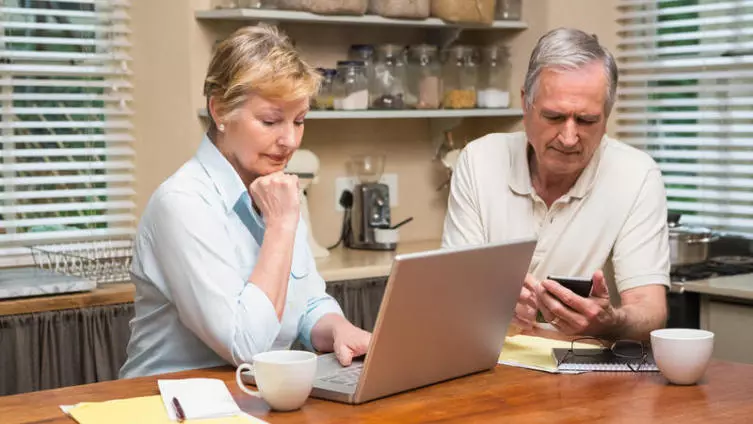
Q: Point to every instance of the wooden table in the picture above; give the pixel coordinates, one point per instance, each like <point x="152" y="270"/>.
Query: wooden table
<point x="504" y="394"/>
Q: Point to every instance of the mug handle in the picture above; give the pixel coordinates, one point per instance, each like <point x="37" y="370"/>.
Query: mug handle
<point x="239" y="380"/>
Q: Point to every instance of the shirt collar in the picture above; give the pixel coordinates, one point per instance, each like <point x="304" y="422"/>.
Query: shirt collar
<point x="520" y="174"/>
<point x="224" y="177"/>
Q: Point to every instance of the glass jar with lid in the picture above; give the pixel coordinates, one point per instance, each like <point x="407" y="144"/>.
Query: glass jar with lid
<point x="325" y="98"/>
<point x="364" y="53"/>
<point x="389" y="78"/>
<point x="424" y="77"/>
<point x="351" y="86"/>
<point x="494" y="78"/>
<point x="460" y="78"/>
<point x="509" y="10"/>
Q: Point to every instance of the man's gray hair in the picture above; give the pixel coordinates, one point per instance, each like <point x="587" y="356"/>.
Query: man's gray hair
<point x="569" y="49"/>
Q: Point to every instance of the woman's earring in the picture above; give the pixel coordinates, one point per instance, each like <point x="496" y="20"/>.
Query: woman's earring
<point x="222" y="128"/>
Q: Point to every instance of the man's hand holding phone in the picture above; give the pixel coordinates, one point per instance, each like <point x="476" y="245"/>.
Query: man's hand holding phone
<point x="564" y="305"/>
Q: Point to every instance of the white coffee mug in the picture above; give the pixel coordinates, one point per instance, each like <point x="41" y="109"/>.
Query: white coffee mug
<point x="682" y="354"/>
<point x="284" y="377"/>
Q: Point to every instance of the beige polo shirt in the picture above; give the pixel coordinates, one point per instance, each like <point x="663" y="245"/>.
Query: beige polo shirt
<point x="614" y="218"/>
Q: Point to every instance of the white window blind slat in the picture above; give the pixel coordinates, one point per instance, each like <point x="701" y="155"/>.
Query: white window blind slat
<point x="695" y="48"/>
<point x="70" y="220"/>
<point x="653" y="38"/>
<point x="65" y="56"/>
<point x="647" y="89"/>
<point x="708" y="181"/>
<point x="66" y="111"/>
<point x="700" y="115"/>
<point x="694" y="142"/>
<point x="103" y="28"/>
<point x="30" y="238"/>
<point x="695" y="102"/>
<point x="686" y="128"/>
<point x="110" y="42"/>
<point x="45" y="153"/>
<point x="75" y="138"/>
<point x="705" y="154"/>
<point x="67" y="207"/>
<point x="729" y="20"/>
<point x="68" y="97"/>
<point x="707" y="194"/>
<point x="20" y="125"/>
<point x="119" y="84"/>
<point x="707" y="168"/>
<point x="69" y="179"/>
<point x="66" y="70"/>
<point x="66" y="166"/>
<point x="117" y="15"/>
<point x="717" y="6"/>
<point x="110" y="192"/>
<point x="729" y="223"/>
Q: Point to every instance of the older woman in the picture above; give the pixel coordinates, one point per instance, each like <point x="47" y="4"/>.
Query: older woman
<point x="222" y="266"/>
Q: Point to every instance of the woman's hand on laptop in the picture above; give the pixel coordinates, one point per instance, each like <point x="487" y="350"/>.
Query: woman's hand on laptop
<point x="335" y="333"/>
<point x="525" y="310"/>
<point x="350" y="342"/>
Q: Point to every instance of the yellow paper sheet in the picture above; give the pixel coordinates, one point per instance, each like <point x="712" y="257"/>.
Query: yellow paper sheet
<point x="142" y="410"/>
<point x="533" y="352"/>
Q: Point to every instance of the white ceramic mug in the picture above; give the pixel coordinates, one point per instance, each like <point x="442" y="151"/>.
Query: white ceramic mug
<point x="284" y="377"/>
<point x="682" y="354"/>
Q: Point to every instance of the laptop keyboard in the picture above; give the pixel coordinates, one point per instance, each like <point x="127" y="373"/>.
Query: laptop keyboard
<point x="347" y="375"/>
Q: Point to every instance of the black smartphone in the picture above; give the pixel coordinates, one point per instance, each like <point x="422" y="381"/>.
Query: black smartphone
<point x="578" y="285"/>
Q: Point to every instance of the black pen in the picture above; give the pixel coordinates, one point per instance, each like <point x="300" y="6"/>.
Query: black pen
<point x="179" y="410"/>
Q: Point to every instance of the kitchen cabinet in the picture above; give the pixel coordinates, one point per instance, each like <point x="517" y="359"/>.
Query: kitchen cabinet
<point x="731" y="321"/>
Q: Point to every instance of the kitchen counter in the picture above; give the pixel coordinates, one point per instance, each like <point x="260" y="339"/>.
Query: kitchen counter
<point x="735" y="286"/>
<point x="342" y="264"/>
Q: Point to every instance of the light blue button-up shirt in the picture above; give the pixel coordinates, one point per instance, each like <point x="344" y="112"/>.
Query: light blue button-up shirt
<point x="198" y="241"/>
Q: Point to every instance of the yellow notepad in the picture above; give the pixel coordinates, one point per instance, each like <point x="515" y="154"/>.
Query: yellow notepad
<point x="533" y="352"/>
<point x="142" y="410"/>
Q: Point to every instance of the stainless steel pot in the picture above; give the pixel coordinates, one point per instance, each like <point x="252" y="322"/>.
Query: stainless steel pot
<point x="687" y="244"/>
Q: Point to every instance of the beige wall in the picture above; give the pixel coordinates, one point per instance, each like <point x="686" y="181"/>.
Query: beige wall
<point x="171" y="50"/>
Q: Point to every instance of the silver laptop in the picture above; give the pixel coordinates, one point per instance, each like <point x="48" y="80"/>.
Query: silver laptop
<point x="444" y="315"/>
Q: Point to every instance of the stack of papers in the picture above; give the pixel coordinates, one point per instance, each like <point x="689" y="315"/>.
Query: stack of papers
<point x="535" y="353"/>
<point x="205" y="401"/>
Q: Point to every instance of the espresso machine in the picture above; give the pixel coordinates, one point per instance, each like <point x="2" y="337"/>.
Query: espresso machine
<point x="370" y="207"/>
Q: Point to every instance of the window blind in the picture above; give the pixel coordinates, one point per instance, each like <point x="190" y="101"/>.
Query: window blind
<point x="66" y="154"/>
<point x="686" y="97"/>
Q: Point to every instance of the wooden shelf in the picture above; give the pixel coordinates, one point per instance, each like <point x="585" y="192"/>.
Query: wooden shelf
<point x="307" y="17"/>
<point x="404" y="114"/>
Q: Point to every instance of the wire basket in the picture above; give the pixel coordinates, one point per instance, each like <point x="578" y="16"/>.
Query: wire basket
<point x="107" y="261"/>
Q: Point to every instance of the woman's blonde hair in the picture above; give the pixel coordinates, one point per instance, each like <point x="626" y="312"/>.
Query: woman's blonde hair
<point x="257" y="60"/>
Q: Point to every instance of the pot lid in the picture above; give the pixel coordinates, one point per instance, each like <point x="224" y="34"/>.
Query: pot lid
<point x="689" y="233"/>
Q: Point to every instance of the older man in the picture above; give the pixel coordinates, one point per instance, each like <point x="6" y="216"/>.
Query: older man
<point x="593" y="202"/>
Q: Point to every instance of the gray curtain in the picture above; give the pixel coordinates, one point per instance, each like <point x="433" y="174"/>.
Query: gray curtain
<point x="359" y="299"/>
<point x="62" y="348"/>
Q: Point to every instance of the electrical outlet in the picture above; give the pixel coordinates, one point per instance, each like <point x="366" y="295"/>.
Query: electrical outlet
<point x="347" y="183"/>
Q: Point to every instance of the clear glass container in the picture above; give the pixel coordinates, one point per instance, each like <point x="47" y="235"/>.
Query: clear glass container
<point x="257" y="4"/>
<point x="460" y="78"/>
<point x="291" y="4"/>
<point x="509" y="10"/>
<point x="494" y="78"/>
<point x="337" y="7"/>
<point x="414" y="9"/>
<point x="325" y="98"/>
<point x="351" y="90"/>
<point x="424" y="78"/>
<point x="389" y="78"/>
